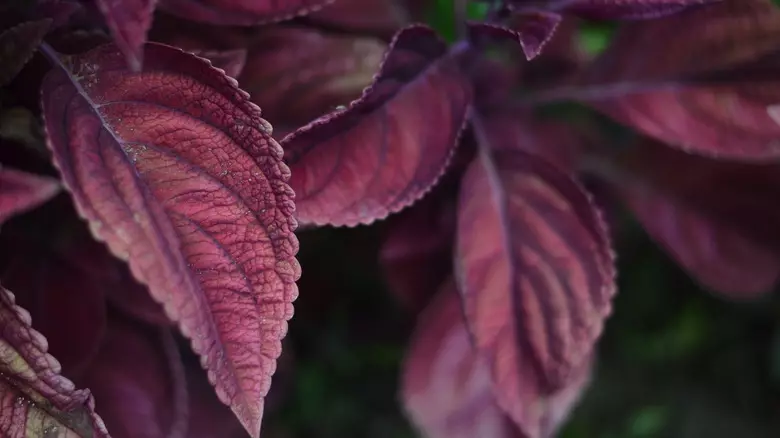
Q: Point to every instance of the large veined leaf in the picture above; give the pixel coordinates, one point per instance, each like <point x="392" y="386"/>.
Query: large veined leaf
<point x="719" y="103"/>
<point x="18" y="44"/>
<point x="535" y="268"/>
<point x="129" y="21"/>
<point x="21" y="191"/>
<point x="447" y="389"/>
<point x="716" y="219"/>
<point x="240" y="12"/>
<point x="177" y="172"/>
<point x="387" y="149"/>
<point x="35" y="399"/>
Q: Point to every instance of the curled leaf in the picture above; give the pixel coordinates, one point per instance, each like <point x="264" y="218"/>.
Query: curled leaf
<point x="240" y="12"/>
<point x="22" y="191"/>
<point x="176" y="171"/>
<point x="129" y="21"/>
<point x="17" y="46"/>
<point x="535" y="269"/>
<point x="532" y="31"/>
<point x="387" y="149"/>
<point x="35" y="399"/>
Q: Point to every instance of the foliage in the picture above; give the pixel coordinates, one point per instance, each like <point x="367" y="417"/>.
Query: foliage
<point x="150" y="209"/>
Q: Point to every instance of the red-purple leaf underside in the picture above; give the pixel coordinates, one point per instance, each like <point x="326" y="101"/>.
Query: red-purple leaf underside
<point x="720" y="103"/>
<point x="18" y="44"/>
<point x="240" y="12"/>
<point x="177" y="172"/>
<point x="129" y="21"/>
<point x="22" y="191"/>
<point x="35" y="399"/>
<point x="535" y="269"/>
<point x="387" y="149"/>
<point x="532" y="31"/>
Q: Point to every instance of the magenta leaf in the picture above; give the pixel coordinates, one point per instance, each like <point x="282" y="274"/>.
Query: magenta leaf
<point x="535" y="269"/>
<point x="447" y="386"/>
<point x="240" y="12"/>
<point x="17" y="46"/>
<point x="716" y="219"/>
<point x="388" y="148"/>
<point x="22" y="191"/>
<point x="35" y="399"/>
<point x="148" y="401"/>
<point x="232" y="61"/>
<point x="129" y="21"/>
<point x="532" y="31"/>
<point x="721" y="103"/>
<point x="299" y="74"/>
<point x="177" y="172"/>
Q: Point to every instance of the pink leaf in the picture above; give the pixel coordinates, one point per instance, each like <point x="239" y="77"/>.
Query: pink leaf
<point x="35" y="399"/>
<point x="129" y="21"/>
<point x="17" y="46"/>
<point x="448" y="390"/>
<point x="387" y="149"/>
<point x="22" y="191"/>
<point x="232" y="61"/>
<point x="177" y="172"/>
<point x="299" y="74"/>
<point x="532" y="31"/>
<point x="148" y="401"/>
<point x="240" y="12"/>
<point x="720" y="103"/>
<point x="716" y="219"/>
<point x="535" y="269"/>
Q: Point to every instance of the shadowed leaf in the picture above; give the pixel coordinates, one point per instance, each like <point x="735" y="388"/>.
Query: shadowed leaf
<point x="720" y="103"/>
<point x="240" y="12"/>
<point x="17" y="46"/>
<point x="177" y="172"/>
<point x="129" y="21"/>
<point x="535" y="269"/>
<point x="22" y="191"/>
<point x="299" y="74"/>
<point x="609" y="9"/>
<point x="373" y="17"/>
<point x="532" y="31"/>
<point x="387" y="149"/>
<point x="35" y="399"/>
<point x="232" y="61"/>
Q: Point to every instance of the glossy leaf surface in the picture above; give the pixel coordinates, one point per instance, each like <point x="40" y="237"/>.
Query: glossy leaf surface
<point x="535" y="269"/>
<point x="387" y="149"/>
<point x="129" y="21"/>
<point x="35" y="399"/>
<point x="177" y="172"/>
<point x="240" y="12"/>
<point x="22" y="191"/>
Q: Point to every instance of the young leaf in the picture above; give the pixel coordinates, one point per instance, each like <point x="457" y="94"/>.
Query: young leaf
<point x="447" y="388"/>
<point x="17" y="46"/>
<point x="719" y="103"/>
<point x="240" y="12"/>
<point x="35" y="399"/>
<point x="177" y="172"/>
<point x="716" y="219"/>
<point x="129" y="21"/>
<point x="22" y="191"/>
<point x="532" y="31"/>
<point x="299" y="74"/>
<point x="535" y="269"/>
<point x="148" y="401"/>
<point x="387" y="149"/>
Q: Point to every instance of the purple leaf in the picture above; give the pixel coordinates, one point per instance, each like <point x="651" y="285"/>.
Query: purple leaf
<point x="447" y="387"/>
<point x="536" y="272"/>
<point x="240" y="12"/>
<point x="148" y="401"/>
<point x="608" y="9"/>
<point x="716" y="219"/>
<point x="177" y="172"/>
<point x="35" y="399"/>
<point x="232" y="61"/>
<point x="22" y="191"/>
<point x="720" y="103"/>
<point x="532" y="31"/>
<point x="373" y="17"/>
<point x="387" y="149"/>
<point x="129" y="21"/>
<point x="17" y="46"/>
<point x="299" y="74"/>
